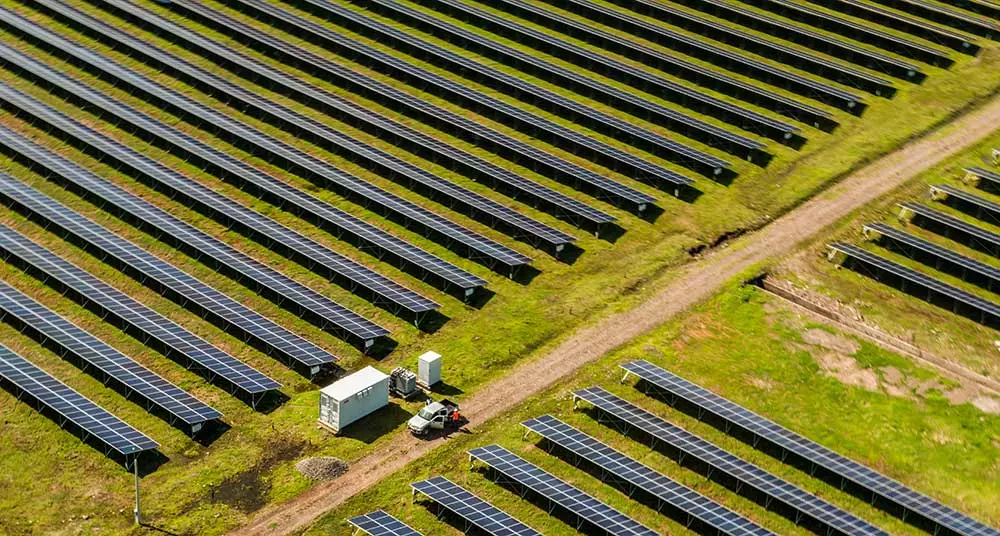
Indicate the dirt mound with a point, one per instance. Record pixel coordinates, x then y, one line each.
321 468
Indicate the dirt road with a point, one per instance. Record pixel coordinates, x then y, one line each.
694 283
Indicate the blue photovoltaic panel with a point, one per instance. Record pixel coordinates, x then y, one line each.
166 278
951 226
626 100
325 312
473 132
55 329
573 500
390 166
302 162
538 126
971 204
472 509
92 419
619 466
719 460
379 523
93 291
312 253
878 484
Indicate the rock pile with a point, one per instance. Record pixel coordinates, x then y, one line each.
321 468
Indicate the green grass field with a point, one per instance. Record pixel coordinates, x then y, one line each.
50 483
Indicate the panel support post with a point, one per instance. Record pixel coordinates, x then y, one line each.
136 513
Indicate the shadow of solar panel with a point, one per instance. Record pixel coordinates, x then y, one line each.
302 163
167 279
379 523
323 311
31 316
949 17
507 147
951 227
934 255
689 71
279 238
92 420
931 289
985 8
532 124
887 491
305 127
157 329
746 476
387 129
475 511
585 59
558 492
976 206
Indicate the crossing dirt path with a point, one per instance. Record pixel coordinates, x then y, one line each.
694 282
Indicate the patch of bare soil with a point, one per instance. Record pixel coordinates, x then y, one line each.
248 491
830 341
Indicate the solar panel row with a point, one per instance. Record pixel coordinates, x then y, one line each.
983 178
979 207
618 466
387 129
91 291
933 290
946 16
380 523
39 321
951 227
880 486
308 303
586 59
558 492
529 123
725 58
910 25
696 73
933 255
463 239
766 47
167 279
250 178
980 7
475 511
469 130
853 30
721 462
319 258
305 127
91 419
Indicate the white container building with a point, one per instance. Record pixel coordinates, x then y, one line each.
428 369
353 397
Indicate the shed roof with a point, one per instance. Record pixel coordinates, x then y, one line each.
351 384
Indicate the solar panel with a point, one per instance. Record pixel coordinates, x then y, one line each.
983 178
255 180
880 486
765 46
534 125
558 492
475 511
391 167
725 58
934 255
981 7
853 30
167 279
911 25
952 227
471 131
323 311
949 17
33 317
721 462
379 523
90 290
386 128
586 59
93 420
302 163
617 466
981 208
692 72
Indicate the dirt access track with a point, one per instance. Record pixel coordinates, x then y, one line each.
693 283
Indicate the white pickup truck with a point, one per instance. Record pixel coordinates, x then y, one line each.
435 415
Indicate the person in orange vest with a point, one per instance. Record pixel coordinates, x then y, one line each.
455 417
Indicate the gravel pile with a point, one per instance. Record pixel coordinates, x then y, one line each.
321 468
